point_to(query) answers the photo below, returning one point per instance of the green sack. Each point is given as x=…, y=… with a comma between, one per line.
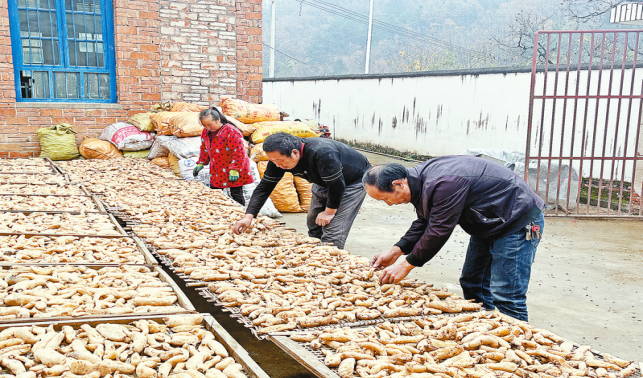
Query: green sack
x=142, y=121
x=58, y=142
x=137, y=154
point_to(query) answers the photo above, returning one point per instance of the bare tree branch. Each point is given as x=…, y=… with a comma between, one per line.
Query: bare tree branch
x=584, y=11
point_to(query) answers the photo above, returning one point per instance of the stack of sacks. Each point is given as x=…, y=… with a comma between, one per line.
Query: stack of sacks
x=116, y=140
x=283, y=196
x=136, y=137
x=292, y=194
x=178, y=139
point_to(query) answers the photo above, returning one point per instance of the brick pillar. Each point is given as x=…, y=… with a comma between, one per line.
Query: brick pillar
x=136, y=36
x=249, y=51
x=198, y=62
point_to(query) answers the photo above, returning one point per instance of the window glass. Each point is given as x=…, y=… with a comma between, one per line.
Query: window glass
x=103, y=80
x=66, y=85
x=91, y=86
x=34, y=84
x=44, y=69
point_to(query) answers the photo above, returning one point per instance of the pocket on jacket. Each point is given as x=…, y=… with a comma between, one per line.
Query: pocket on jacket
x=485, y=217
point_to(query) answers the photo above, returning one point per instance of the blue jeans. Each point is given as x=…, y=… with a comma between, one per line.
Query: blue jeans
x=496, y=272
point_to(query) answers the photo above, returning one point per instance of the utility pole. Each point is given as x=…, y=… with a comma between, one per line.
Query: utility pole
x=273, y=28
x=368, y=41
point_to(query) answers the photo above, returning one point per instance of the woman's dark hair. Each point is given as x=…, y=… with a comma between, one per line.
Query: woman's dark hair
x=382, y=176
x=214, y=113
x=283, y=143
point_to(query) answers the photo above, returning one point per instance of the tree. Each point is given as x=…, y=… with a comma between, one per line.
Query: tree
x=418, y=60
x=415, y=35
x=590, y=14
x=517, y=41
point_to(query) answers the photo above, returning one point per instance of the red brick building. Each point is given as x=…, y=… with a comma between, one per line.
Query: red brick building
x=100, y=68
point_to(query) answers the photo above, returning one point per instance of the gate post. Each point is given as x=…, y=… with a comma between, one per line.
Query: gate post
x=638, y=175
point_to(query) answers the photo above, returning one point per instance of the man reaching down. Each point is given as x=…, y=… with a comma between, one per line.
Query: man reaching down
x=334, y=169
x=491, y=203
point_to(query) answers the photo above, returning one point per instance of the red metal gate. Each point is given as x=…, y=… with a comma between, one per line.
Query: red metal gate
x=584, y=151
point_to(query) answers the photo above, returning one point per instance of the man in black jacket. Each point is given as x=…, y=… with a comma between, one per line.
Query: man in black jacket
x=495, y=206
x=334, y=169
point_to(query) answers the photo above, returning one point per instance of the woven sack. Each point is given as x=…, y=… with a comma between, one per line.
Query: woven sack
x=94, y=148
x=284, y=197
x=58, y=142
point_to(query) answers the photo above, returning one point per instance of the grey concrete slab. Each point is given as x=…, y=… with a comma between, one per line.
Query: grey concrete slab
x=587, y=280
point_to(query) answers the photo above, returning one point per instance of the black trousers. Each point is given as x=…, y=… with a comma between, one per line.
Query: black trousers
x=235, y=193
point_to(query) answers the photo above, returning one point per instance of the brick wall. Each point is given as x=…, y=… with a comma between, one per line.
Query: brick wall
x=249, y=50
x=198, y=50
x=188, y=50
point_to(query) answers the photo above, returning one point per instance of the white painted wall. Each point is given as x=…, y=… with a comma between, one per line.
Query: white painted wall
x=443, y=115
x=437, y=115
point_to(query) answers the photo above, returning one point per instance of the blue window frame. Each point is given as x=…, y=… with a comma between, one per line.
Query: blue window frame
x=63, y=50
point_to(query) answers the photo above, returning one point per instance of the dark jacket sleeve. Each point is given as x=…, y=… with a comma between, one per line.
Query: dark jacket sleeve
x=330, y=170
x=444, y=207
x=413, y=235
x=269, y=181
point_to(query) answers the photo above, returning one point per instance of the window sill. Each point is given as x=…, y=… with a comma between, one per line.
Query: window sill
x=68, y=105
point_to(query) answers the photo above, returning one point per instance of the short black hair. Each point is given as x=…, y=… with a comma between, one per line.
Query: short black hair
x=214, y=113
x=382, y=176
x=282, y=143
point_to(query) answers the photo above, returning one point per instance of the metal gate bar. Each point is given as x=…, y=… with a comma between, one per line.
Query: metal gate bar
x=598, y=146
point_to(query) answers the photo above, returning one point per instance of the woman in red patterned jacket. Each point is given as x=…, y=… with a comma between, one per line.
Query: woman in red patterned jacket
x=223, y=147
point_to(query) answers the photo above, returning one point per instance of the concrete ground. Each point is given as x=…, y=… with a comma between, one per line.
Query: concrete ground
x=586, y=284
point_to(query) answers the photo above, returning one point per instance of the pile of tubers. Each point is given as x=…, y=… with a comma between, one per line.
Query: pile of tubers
x=48, y=203
x=69, y=249
x=179, y=348
x=279, y=279
x=478, y=345
x=283, y=281
x=35, y=179
x=11, y=168
x=72, y=291
x=25, y=162
x=25, y=189
x=44, y=223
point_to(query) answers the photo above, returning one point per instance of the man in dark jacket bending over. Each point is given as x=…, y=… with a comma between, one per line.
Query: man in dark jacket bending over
x=495, y=206
x=334, y=169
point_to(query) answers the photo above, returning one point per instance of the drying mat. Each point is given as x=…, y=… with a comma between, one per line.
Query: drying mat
x=313, y=359
x=235, y=312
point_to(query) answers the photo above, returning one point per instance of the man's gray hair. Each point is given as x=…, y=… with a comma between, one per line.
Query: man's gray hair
x=382, y=176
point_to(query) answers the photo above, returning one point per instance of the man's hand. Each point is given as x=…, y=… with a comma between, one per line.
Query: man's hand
x=325, y=217
x=396, y=273
x=387, y=258
x=243, y=224
x=197, y=169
